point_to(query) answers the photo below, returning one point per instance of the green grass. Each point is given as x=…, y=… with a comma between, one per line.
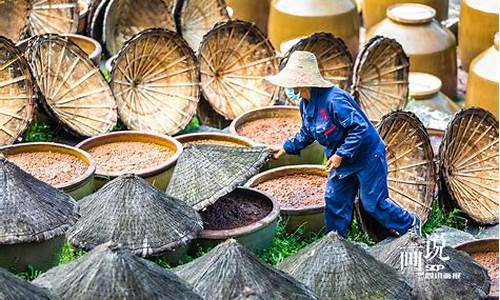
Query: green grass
x=39, y=131
x=439, y=217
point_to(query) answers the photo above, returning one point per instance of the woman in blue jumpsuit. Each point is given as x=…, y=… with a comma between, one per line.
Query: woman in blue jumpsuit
x=355, y=150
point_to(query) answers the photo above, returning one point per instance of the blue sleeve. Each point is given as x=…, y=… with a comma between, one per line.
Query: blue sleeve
x=355, y=125
x=302, y=139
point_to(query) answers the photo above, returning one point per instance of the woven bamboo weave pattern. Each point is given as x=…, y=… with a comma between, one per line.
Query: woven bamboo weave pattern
x=53, y=16
x=14, y=15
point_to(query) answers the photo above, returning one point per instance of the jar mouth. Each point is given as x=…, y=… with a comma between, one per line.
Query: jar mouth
x=495, y=41
x=411, y=13
x=422, y=85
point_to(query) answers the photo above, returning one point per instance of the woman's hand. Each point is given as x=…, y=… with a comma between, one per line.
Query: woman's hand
x=333, y=163
x=277, y=152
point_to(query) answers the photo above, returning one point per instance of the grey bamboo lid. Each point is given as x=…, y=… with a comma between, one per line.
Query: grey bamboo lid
x=131, y=212
x=13, y=287
x=230, y=271
x=112, y=272
x=31, y=210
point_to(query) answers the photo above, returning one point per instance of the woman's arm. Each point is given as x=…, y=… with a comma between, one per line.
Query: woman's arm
x=302, y=139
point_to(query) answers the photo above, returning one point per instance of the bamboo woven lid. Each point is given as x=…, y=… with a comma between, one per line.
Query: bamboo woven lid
x=380, y=79
x=125, y=18
x=17, y=95
x=469, y=164
x=155, y=81
x=411, y=171
x=74, y=92
x=53, y=16
x=13, y=287
x=14, y=18
x=334, y=59
x=194, y=18
x=234, y=57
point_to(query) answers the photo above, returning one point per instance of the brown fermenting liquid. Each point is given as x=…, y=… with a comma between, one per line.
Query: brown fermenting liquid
x=235, y=210
x=53, y=168
x=489, y=260
x=270, y=131
x=296, y=191
x=129, y=156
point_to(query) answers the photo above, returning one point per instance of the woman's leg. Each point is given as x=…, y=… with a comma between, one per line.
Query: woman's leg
x=339, y=203
x=374, y=196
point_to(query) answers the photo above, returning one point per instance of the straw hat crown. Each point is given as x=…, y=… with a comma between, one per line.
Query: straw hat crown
x=302, y=70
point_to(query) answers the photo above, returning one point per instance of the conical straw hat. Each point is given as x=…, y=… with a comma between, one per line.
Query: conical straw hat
x=302, y=70
x=13, y=287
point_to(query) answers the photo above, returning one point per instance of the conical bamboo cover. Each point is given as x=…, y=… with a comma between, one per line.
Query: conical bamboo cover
x=234, y=57
x=230, y=271
x=473, y=282
x=73, y=90
x=204, y=173
x=335, y=268
x=125, y=18
x=411, y=176
x=380, y=79
x=194, y=18
x=17, y=95
x=131, y=212
x=469, y=164
x=112, y=272
x=14, y=16
x=53, y=16
x=31, y=210
x=156, y=82
x=334, y=59
x=12, y=287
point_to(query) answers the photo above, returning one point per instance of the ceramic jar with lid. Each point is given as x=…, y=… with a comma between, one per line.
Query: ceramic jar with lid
x=374, y=11
x=482, y=85
x=478, y=23
x=430, y=47
x=290, y=19
x=255, y=11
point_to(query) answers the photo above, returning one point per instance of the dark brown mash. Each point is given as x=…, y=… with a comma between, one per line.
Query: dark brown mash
x=489, y=260
x=270, y=131
x=296, y=191
x=53, y=168
x=128, y=156
x=235, y=210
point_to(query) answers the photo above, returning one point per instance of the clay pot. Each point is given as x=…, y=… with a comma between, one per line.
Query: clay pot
x=425, y=89
x=215, y=137
x=313, y=154
x=478, y=23
x=289, y=19
x=158, y=176
x=374, y=11
x=255, y=11
x=310, y=217
x=78, y=188
x=430, y=47
x=482, y=84
x=256, y=236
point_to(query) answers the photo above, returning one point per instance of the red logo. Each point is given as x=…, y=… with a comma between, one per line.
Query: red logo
x=330, y=130
x=322, y=111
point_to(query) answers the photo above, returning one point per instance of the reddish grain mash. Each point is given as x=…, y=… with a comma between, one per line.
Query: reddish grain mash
x=129, y=156
x=489, y=260
x=53, y=168
x=297, y=190
x=270, y=131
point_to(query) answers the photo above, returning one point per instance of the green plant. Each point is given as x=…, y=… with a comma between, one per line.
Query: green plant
x=193, y=125
x=356, y=234
x=438, y=217
x=31, y=274
x=39, y=132
x=69, y=254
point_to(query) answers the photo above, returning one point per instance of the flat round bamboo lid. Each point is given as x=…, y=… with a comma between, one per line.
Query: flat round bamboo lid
x=423, y=84
x=234, y=57
x=411, y=170
x=334, y=59
x=53, y=16
x=380, y=79
x=155, y=81
x=17, y=96
x=411, y=13
x=73, y=90
x=125, y=18
x=194, y=18
x=469, y=164
x=14, y=16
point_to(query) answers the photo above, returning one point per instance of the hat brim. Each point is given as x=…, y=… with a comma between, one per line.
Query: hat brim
x=292, y=82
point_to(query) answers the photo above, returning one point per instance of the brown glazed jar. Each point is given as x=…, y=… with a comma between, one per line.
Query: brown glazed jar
x=482, y=86
x=255, y=11
x=374, y=11
x=430, y=47
x=478, y=23
x=289, y=19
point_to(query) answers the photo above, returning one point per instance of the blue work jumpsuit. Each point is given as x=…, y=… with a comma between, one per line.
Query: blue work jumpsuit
x=336, y=121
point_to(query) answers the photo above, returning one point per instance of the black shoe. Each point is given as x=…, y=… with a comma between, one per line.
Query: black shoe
x=416, y=227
